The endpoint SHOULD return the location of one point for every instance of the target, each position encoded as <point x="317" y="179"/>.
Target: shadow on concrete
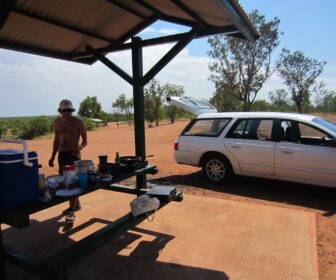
<point x="140" y="263"/>
<point x="320" y="198"/>
<point x="125" y="257"/>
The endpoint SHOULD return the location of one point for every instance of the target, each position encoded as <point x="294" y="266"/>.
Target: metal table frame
<point x="55" y="267"/>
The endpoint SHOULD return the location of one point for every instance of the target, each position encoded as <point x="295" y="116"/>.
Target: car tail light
<point x="176" y="146"/>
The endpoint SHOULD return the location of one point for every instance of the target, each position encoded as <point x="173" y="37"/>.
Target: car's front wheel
<point x="217" y="168"/>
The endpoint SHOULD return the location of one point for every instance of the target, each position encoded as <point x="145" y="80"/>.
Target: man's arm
<point x="56" y="144"/>
<point x="83" y="135"/>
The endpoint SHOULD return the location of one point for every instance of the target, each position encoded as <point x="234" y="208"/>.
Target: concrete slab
<point x="200" y="238"/>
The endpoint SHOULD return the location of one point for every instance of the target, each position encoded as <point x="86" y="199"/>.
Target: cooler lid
<point x="13" y="154"/>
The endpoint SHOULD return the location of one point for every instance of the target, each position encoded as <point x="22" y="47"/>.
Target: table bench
<point x="55" y="267"/>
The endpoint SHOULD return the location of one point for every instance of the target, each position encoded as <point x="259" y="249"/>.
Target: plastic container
<point x="83" y="180"/>
<point x="19" y="176"/>
<point x="82" y="166"/>
<point x="70" y="178"/>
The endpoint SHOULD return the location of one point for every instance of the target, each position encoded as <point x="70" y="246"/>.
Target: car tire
<point x="217" y="169"/>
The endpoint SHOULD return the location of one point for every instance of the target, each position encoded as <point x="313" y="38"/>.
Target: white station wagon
<point x="285" y="146"/>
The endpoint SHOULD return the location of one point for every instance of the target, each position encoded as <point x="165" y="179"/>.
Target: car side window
<point x="206" y="127"/>
<point x="288" y="132"/>
<point x="310" y="135"/>
<point x="253" y="129"/>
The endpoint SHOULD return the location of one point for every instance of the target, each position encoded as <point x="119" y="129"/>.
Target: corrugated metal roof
<point x="63" y="28"/>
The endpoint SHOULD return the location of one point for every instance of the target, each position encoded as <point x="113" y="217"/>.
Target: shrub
<point x="3" y="128"/>
<point x="89" y="124"/>
<point x="35" y="127"/>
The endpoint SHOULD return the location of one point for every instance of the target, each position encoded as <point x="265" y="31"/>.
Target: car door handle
<point x="287" y="151"/>
<point x="236" y="146"/>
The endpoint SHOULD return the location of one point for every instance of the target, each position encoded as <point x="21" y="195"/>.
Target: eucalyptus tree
<point x="125" y="105"/>
<point x="154" y="96"/>
<point x="90" y="108"/>
<point x="280" y="100"/>
<point x="173" y="90"/>
<point x="240" y="68"/>
<point x="299" y="74"/>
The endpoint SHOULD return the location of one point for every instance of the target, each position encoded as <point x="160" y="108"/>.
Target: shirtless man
<point x="68" y="131"/>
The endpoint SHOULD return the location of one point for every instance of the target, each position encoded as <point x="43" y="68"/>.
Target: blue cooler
<point x="18" y="176"/>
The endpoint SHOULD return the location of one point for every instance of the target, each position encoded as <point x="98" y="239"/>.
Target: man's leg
<point x="74" y="203"/>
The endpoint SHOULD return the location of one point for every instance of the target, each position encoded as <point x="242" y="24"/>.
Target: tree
<point x="325" y="100"/>
<point x="154" y="97"/>
<point x="3" y="128"/>
<point x="173" y="90"/>
<point x="240" y="67"/>
<point x="125" y="105"/>
<point x="261" y="105"/>
<point x="280" y="100"/>
<point x="105" y="117"/>
<point x="223" y="101"/>
<point x="90" y="108"/>
<point x="89" y="124"/>
<point x="299" y="73"/>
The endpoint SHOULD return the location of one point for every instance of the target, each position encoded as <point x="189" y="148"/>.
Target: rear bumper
<point x="186" y="158"/>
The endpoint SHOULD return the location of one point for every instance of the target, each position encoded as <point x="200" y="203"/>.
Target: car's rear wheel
<point x="217" y="168"/>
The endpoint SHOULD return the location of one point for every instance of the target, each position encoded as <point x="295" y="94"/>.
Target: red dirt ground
<point x="159" y="142"/>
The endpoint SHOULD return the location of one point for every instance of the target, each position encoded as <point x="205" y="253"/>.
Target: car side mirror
<point x="329" y="142"/>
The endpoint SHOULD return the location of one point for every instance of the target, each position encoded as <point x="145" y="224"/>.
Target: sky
<point x="31" y="85"/>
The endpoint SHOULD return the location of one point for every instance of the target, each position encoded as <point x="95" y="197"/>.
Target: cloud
<point x="160" y="31"/>
<point x="33" y="85"/>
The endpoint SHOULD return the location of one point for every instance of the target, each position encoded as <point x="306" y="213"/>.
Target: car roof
<point x="277" y="115"/>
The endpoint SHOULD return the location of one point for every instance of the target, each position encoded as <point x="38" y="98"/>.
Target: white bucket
<point x="82" y="166"/>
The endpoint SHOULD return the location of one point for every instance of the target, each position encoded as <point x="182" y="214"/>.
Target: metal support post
<point x="3" y="273"/>
<point x="139" y="107"/>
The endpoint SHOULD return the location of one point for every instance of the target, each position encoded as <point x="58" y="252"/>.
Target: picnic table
<point x="55" y="266"/>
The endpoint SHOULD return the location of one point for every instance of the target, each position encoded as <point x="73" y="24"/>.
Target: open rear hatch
<point x="192" y="105"/>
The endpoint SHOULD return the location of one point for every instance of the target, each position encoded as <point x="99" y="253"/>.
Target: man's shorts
<point x="66" y="158"/>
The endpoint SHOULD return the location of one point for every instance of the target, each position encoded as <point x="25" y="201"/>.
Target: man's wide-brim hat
<point x="66" y="104"/>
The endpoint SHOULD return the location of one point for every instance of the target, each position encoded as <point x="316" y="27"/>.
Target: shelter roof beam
<point x="163" y="16"/>
<point x="136" y="29"/>
<point x="242" y="25"/>
<point x="189" y="12"/>
<point x="127" y="8"/>
<point x="110" y="64"/>
<point x="171" y="54"/>
<point x="118" y="43"/>
<point x="230" y="29"/>
<point x="34" y="50"/>
<point x="61" y="24"/>
<point x="6" y="7"/>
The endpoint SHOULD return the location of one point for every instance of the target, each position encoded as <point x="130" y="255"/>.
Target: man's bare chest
<point x="68" y="128"/>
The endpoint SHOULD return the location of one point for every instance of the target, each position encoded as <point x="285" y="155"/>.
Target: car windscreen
<point x="325" y="123"/>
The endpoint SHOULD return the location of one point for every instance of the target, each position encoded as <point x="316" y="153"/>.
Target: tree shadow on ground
<point x="319" y="198"/>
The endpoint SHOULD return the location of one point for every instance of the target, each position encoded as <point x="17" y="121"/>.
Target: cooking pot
<point x="131" y="163"/>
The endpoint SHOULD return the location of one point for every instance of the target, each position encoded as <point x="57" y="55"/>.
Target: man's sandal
<point x="70" y="218"/>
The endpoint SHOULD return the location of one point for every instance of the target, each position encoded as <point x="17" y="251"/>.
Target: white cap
<point x="66" y="104"/>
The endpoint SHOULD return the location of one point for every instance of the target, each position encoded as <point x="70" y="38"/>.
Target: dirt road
<point x="159" y="142"/>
